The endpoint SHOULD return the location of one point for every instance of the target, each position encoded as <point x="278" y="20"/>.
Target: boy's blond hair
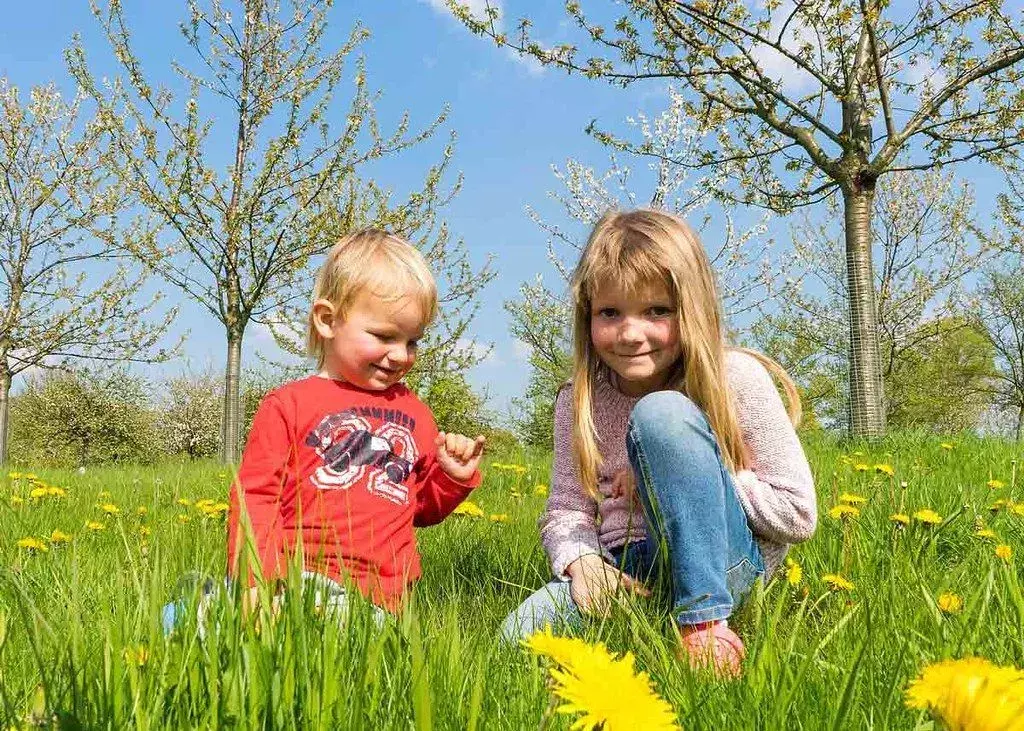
<point x="373" y="261"/>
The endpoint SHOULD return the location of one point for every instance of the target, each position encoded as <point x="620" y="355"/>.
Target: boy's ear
<point x="324" y="315"/>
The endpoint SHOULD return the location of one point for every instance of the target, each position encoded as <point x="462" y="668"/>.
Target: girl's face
<point x="636" y="336"/>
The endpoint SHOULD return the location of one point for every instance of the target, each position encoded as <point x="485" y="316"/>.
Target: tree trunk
<point x="5" y="410"/>
<point x="230" y="420"/>
<point x="867" y="407"/>
<point x="1020" y="423"/>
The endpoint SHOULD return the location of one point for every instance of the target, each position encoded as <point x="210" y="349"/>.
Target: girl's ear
<point x="324" y="316"/>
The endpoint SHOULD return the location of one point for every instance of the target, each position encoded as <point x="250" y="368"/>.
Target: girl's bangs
<point x="634" y="268"/>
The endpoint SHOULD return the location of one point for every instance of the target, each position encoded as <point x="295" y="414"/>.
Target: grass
<point x="81" y="644"/>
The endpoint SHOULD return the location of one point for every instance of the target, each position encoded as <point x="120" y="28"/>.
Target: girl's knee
<point x="663" y="415"/>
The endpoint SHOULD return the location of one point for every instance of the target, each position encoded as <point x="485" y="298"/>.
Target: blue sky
<point x="513" y="120"/>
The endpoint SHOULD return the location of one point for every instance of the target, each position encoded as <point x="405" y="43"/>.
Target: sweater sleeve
<point x="777" y="491"/>
<point x="568" y="527"/>
<point x="258" y="490"/>
<point x="437" y="494"/>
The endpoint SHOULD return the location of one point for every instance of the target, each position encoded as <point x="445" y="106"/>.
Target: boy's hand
<point x="458" y="455"/>
<point x="623" y="484"/>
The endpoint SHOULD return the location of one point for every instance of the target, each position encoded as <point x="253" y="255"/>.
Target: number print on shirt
<point x="352" y="450"/>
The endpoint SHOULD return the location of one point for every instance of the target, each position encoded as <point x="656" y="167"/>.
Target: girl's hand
<point x="458" y="455"/>
<point x="595" y="583"/>
<point x="624" y="484"/>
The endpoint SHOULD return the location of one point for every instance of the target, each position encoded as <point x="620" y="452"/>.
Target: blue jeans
<point x="698" y="538"/>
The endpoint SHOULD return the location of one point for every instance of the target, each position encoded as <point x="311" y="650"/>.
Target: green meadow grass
<point x="81" y="644"/>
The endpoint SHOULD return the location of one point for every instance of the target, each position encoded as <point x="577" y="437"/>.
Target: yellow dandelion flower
<point x="58" y="537"/>
<point x="14" y="475"/>
<point x="837" y="582"/>
<point x="947" y="446"/>
<point x="998" y="505"/>
<point x="950" y="603"/>
<point x="928" y="517"/>
<point x="110" y="508"/>
<point x="900" y="518"/>
<point x="499" y="517"/>
<point x="16" y="501"/>
<point x="794" y="572"/>
<point x="184" y="518"/>
<point x="885" y="469"/>
<point x="142" y="510"/>
<point x="842" y="512"/>
<point x="985" y="533"/>
<point x="995" y="484"/>
<point x="54" y="491"/>
<point x="541" y="490"/>
<point x="31" y="476"/>
<point x="32" y="544"/>
<point x="204" y="503"/>
<point x="605" y="690"/>
<point x="861" y="467"/>
<point x="136" y="655"/>
<point x="562" y="650"/>
<point x="184" y="502"/>
<point x="851" y="498"/>
<point x="1016" y="508"/>
<point x="94" y="525"/>
<point x="970" y="694"/>
<point x="1004" y="552"/>
<point x="37" y="492"/>
<point x="469" y="509"/>
<point x="145" y="531"/>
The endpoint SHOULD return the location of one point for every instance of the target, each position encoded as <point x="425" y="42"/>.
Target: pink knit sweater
<point x="777" y="492"/>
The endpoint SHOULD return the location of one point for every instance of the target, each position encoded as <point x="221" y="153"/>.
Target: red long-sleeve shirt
<point x="348" y="471"/>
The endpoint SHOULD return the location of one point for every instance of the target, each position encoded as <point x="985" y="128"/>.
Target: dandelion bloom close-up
<point x="469" y="509"/>
<point x="32" y="544"/>
<point x="995" y="484"/>
<point x="900" y="518"/>
<point x="794" y="572"/>
<point x="59" y="536"/>
<point x="605" y="690"/>
<point x="1004" y="552"/>
<point x="842" y="512"/>
<point x="837" y="582"/>
<point x="928" y="517"/>
<point x="851" y="498"/>
<point x="970" y="694"/>
<point x="950" y="603"/>
<point x="885" y="469"/>
<point x="985" y="533"/>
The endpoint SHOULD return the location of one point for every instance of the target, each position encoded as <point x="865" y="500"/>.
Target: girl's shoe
<point x="712" y="645"/>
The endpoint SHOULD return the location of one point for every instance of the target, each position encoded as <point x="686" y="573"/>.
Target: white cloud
<point x="478" y="9"/>
<point x="779" y="67"/>
<point x="522" y="350"/>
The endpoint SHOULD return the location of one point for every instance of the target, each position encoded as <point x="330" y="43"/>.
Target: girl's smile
<point x="636" y="334"/>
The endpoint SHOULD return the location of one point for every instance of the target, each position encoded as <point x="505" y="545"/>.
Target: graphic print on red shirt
<point x="345" y="474"/>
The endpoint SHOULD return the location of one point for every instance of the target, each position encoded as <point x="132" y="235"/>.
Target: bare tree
<point x="1001" y="310"/>
<point x="810" y="99"/>
<point x="64" y="293"/>
<point x="238" y="240"/>
<point x="927" y="242"/>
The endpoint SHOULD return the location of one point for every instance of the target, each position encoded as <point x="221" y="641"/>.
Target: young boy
<point x="343" y="464"/>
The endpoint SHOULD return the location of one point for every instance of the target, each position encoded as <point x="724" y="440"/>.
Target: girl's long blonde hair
<point x="634" y="249"/>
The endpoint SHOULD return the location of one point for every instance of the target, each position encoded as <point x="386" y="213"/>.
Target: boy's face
<point x="374" y="345"/>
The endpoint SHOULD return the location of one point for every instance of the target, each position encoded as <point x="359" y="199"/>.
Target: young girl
<point x="674" y="454"/>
